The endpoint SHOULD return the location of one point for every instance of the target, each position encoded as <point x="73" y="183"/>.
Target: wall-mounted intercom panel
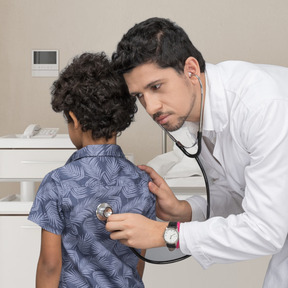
<point x="45" y="63"/>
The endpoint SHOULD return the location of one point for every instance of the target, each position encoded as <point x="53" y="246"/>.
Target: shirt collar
<point x="96" y="151"/>
<point x="207" y="117"/>
<point x="215" y="111"/>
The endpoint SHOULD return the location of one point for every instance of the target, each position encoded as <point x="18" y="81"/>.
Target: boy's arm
<point x="141" y="264"/>
<point x="50" y="261"/>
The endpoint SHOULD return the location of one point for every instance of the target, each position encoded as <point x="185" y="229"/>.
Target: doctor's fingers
<point x="156" y="178"/>
<point x="115" y="222"/>
<point x="141" y="233"/>
<point x="160" y="192"/>
<point x="121" y="222"/>
<point x="127" y="228"/>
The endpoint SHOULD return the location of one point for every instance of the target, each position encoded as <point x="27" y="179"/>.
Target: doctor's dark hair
<point x="98" y="97"/>
<point x="155" y="40"/>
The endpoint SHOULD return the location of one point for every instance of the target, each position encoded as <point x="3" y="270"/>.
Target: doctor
<point x="244" y="150"/>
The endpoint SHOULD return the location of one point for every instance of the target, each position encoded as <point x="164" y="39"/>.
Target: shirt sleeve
<point x="46" y="209"/>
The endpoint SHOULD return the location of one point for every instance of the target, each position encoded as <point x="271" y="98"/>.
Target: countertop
<point x="15" y="208"/>
<point x="16" y="141"/>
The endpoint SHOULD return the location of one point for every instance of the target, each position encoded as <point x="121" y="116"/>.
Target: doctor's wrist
<point x="183" y="212"/>
<point x="159" y="240"/>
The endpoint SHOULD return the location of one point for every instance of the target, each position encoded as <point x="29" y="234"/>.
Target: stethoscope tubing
<point x="207" y="212"/>
<point x="160" y="261"/>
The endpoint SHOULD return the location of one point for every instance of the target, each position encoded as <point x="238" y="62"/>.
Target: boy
<point x="76" y="250"/>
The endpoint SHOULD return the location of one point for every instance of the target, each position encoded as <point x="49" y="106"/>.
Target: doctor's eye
<point x="156" y="86"/>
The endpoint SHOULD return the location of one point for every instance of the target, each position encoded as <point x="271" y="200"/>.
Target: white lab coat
<point x="246" y="117"/>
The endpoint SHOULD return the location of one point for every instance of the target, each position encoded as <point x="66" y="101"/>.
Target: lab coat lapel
<point x="216" y="100"/>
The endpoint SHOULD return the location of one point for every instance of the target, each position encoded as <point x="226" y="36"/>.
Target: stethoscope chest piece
<point x="103" y="211"/>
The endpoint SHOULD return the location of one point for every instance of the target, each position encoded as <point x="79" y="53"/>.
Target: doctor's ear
<point x="76" y="123"/>
<point x="191" y="67"/>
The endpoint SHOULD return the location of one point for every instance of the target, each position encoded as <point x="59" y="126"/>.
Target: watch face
<point x="171" y="236"/>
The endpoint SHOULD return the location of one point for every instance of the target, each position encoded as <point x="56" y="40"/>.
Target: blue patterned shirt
<point x="66" y="204"/>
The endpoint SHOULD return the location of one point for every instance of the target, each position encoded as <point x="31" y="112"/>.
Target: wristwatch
<point x="171" y="235"/>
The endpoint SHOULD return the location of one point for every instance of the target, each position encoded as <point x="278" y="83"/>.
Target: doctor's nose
<point x="152" y="104"/>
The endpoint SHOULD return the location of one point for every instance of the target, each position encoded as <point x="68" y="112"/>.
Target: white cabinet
<point x="26" y="161"/>
<point x="31" y="164"/>
<point x="19" y="251"/>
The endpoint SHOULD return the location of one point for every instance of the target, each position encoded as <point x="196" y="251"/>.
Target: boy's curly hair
<point x="97" y="96"/>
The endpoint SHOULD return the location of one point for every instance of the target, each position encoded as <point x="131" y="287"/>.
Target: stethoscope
<point x="104" y="210"/>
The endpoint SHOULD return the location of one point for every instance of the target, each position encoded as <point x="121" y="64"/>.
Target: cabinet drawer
<point x="31" y="164"/>
<point x="19" y="249"/>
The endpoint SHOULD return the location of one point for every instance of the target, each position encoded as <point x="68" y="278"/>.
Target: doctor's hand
<point x="135" y="230"/>
<point x="168" y="207"/>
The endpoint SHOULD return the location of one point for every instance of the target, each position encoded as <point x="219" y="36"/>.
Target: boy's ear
<point x="75" y="120"/>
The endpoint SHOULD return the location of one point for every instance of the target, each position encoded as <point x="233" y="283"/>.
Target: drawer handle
<point x="43" y="162"/>
<point x="30" y="227"/>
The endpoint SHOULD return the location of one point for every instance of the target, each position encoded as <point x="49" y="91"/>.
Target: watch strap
<point x="172" y="225"/>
